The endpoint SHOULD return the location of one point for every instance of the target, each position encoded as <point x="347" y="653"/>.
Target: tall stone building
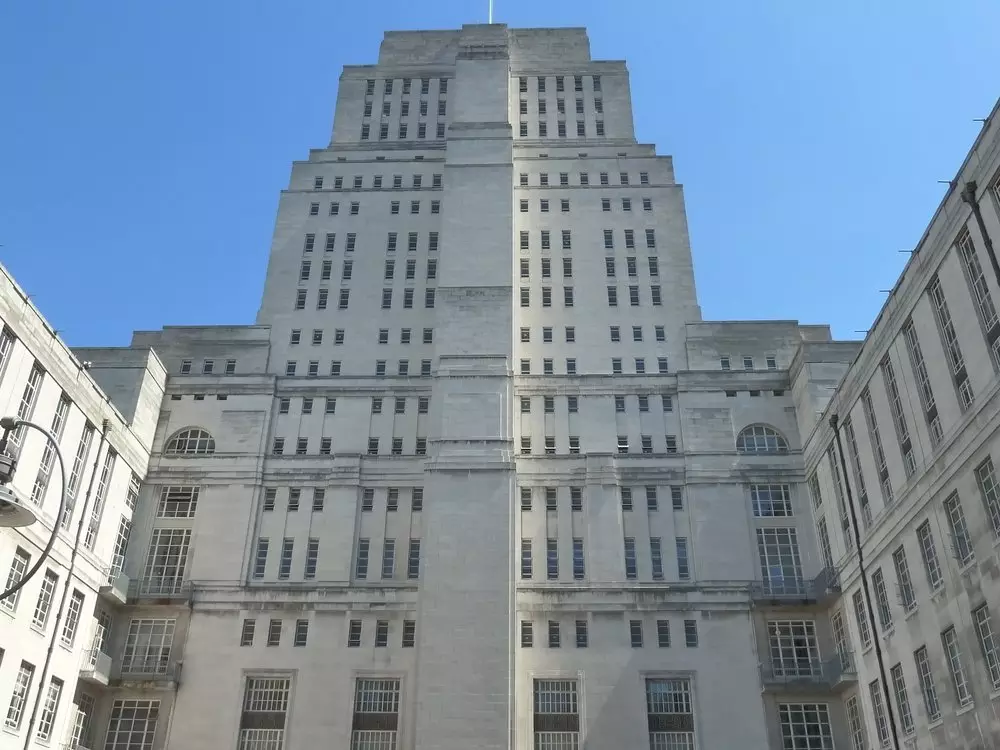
<point x="480" y="476"/>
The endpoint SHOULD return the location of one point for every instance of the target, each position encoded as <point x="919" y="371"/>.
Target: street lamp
<point x="14" y="513"/>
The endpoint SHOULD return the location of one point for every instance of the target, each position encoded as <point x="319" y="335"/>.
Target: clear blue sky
<point x="143" y="143"/>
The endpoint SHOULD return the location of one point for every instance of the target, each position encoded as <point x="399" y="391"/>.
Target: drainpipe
<point x="834" y="423"/>
<point x="105" y="429"/>
<point x="969" y="196"/>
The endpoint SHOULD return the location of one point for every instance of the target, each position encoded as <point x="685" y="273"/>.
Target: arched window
<point x="190" y="441"/>
<point x="761" y="438"/>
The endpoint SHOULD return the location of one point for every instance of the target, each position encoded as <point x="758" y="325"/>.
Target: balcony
<point x="153" y="673"/>
<point x="96" y="668"/>
<point x="115" y="589"/>
<point x="159" y="591"/>
<point x="832" y="675"/>
<point x="796" y="591"/>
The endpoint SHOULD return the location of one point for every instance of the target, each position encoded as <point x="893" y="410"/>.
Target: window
<point x="552" y="559"/>
<point x="361" y="563"/>
<point x="882" y="600"/>
<point x="902" y="699"/>
<point x="612" y="296"/>
<point x="861" y="618"/>
<point x="987" y="642"/>
<point x="354" y="634"/>
<point x="691" y="633"/>
<point x="770" y="500"/>
<point x="260" y="558"/>
<point x="247" y="633"/>
<point x="133" y="725"/>
<point x="631" y="569"/>
<point x="960" y="538"/>
<point x="928" y="553"/>
<point x="73" y="615"/>
<point x="388" y="558"/>
<point x="980" y="290"/>
<point x="381" y="633"/>
<point x="949" y="339"/>
<point x="683" y="564"/>
<point x="656" y="558"/>
<point x="927" y="688"/>
<point x="190" y="441"/>
<point x="760" y="438"/>
<point x="147" y="647"/>
<point x="285" y="561"/>
<point x="556" y="720"/>
<point x="413" y="560"/>
<point x="670" y="713"/>
<point x="959" y="680"/>
<point x="794" y="651"/>
<point x="409" y="638"/>
<point x="805" y="726"/>
<point x="554" y="634"/>
<point x="166" y="562"/>
<point x="778" y="551"/>
<point x="527" y="636"/>
<point x="635" y="633"/>
<point x="579" y="565"/>
<point x="19" y="696"/>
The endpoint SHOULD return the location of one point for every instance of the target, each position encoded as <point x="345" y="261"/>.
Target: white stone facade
<point x="56" y="633"/>
<point x="480" y="475"/>
<point x="917" y="404"/>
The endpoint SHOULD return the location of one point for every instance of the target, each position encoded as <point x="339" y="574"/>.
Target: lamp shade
<point x="13" y="511"/>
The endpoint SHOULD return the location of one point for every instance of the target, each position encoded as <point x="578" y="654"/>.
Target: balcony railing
<point x="812" y="675"/>
<point x="171" y="588"/>
<point x="797" y="590"/>
<point x="116" y="584"/>
<point x="154" y="669"/>
<point x="96" y="667"/>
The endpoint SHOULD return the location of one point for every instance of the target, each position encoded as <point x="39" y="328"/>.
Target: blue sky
<point x="143" y="144"/>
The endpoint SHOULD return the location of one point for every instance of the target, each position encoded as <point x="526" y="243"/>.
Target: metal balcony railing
<point x="96" y="667"/>
<point x="810" y="675"/>
<point x="825" y="584"/>
<point x="160" y="588"/>
<point x="116" y="584"/>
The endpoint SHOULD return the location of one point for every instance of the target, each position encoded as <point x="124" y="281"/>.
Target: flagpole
<point x="491" y="11"/>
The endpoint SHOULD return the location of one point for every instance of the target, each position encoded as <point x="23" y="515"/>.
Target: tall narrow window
<point x="961" y="540"/>
<point x="375" y="722"/>
<point x="48" y="453"/>
<point x="980" y="293"/>
<point x="924" y="389"/>
<point x="879" y="714"/>
<point x="907" y="597"/>
<point x="19" y="696"/>
<point x="18" y="567"/>
<point x="856" y="471"/>
<point x="46" y="593"/>
<point x="901" y="698"/>
<point x="987" y="643"/>
<point x="876" y="440"/>
<point x="949" y="339"/>
<point x="670" y="713"/>
<point x="780" y="565"/>
<point x="388" y="558"/>
<point x="898" y="416"/>
<point x="264" y="715"/>
<point x="76" y="473"/>
<point x="959" y="680"/>
<point x="50" y="706"/>
<point x="26" y="408"/>
<point x="928" y="553"/>
<point x="861" y="618"/>
<point x="556" y="715"/>
<point x="881" y="600"/>
<point x="147" y="647"/>
<point x="927" y="688"/>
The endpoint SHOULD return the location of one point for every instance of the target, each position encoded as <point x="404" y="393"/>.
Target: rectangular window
<point x="166" y="562"/>
<point x="902" y="699"/>
<point x="691" y="633"/>
<point x="361" y="564"/>
<point x="354" y="634"/>
<point x="805" y="726"/>
<point x="949" y="339"/>
<point x="656" y="558"/>
<point x="952" y="650"/>
<point x="527" y="634"/>
<point x="635" y="633"/>
<point x="247" y="633"/>
<point x="312" y="558"/>
<point x="388" y="558"/>
<point x="43" y="606"/>
<point x="907" y="597"/>
<point x="879" y="714"/>
<point x="631" y="568"/>
<point x="927" y="687"/>
<point x="148" y="644"/>
<point x="881" y="600"/>
<point x="301" y="635"/>
<point x="263" y="717"/>
<point x="683" y="564"/>
<point x="961" y="540"/>
<point x="980" y="292"/>
<point x="778" y="551"/>
<point x="19" y="696"/>
<point x="987" y="643"/>
<point x="873" y="433"/>
<point x="861" y="619"/>
<point x="579" y="564"/>
<point x="670" y="714"/>
<point x="409" y="639"/>
<point x="132" y="725"/>
<point x="771" y="500"/>
<point x="928" y="553"/>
